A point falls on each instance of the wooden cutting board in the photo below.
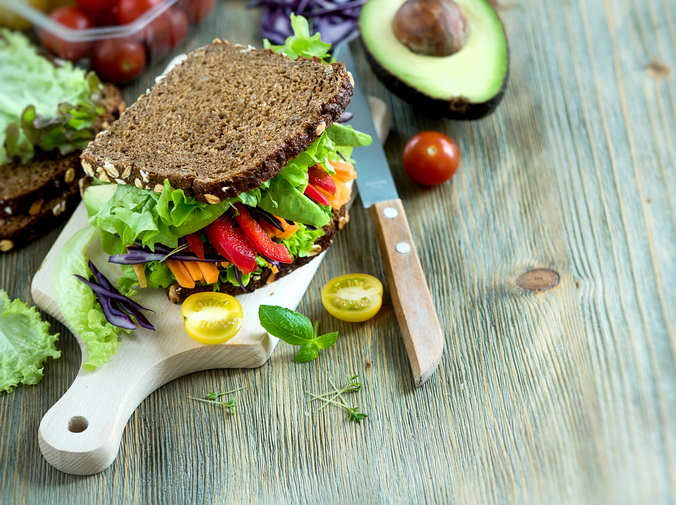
(81, 433)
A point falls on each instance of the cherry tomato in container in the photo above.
(109, 17)
(96, 5)
(130, 10)
(119, 60)
(166, 31)
(197, 10)
(71, 17)
(431, 158)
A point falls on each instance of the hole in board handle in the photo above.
(77, 424)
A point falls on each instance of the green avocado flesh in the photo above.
(476, 73)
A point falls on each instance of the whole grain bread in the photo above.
(17, 231)
(177, 293)
(222, 122)
(30, 191)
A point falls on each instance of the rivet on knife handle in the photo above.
(406, 280)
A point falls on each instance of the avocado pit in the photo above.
(431, 27)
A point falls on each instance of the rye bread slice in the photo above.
(177, 293)
(24, 188)
(222, 122)
(17, 231)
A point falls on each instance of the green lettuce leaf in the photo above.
(300, 243)
(151, 217)
(78, 303)
(301, 43)
(158, 276)
(25, 343)
(42, 105)
(282, 199)
(345, 135)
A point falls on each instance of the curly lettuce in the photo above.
(301, 43)
(25, 343)
(154, 218)
(78, 303)
(41, 105)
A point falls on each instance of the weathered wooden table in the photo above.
(566, 395)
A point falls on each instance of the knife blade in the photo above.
(411, 297)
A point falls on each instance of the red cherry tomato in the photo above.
(109, 17)
(431, 158)
(166, 31)
(130, 10)
(197, 10)
(96, 5)
(71, 17)
(119, 60)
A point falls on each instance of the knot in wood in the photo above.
(539, 279)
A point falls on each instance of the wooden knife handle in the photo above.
(410, 296)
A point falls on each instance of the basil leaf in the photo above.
(307, 353)
(327, 340)
(287, 325)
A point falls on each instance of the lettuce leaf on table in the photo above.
(42, 105)
(25, 343)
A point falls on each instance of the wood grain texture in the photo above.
(410, 295)
(560, 396)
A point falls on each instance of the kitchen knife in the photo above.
(405, 277)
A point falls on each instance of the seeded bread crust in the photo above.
(177, 293)
(24, 188)
(222, 122)
(17, 231)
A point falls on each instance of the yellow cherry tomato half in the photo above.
(212, 318)
(353, 297)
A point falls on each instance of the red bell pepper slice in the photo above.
(196, 245)
(260, 240)
(322, 179)
(232, 244)
(314, 193)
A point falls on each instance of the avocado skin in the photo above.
(458, 108)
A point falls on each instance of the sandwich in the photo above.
(231, 172)
(48, 114)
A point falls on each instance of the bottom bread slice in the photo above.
(17, 231)
(178, 293)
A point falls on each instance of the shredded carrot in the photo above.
(225, 264)
(344, 171)
(181, 273)
(274, 269)
(209, 272)
(194, 270)
(141, 274)
(289, 230)
(273, 232)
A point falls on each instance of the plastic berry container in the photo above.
(115, 38)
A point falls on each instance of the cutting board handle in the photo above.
(81, 433)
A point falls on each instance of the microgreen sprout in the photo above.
(335, 397)
(213, 398)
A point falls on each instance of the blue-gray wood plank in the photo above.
(563, 396)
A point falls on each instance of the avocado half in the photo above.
(466, 85)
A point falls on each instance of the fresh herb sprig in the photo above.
(213, 399)
(329, 398)
(295, 329)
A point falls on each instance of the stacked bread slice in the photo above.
(37, 196)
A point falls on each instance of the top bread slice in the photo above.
(222, 122)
